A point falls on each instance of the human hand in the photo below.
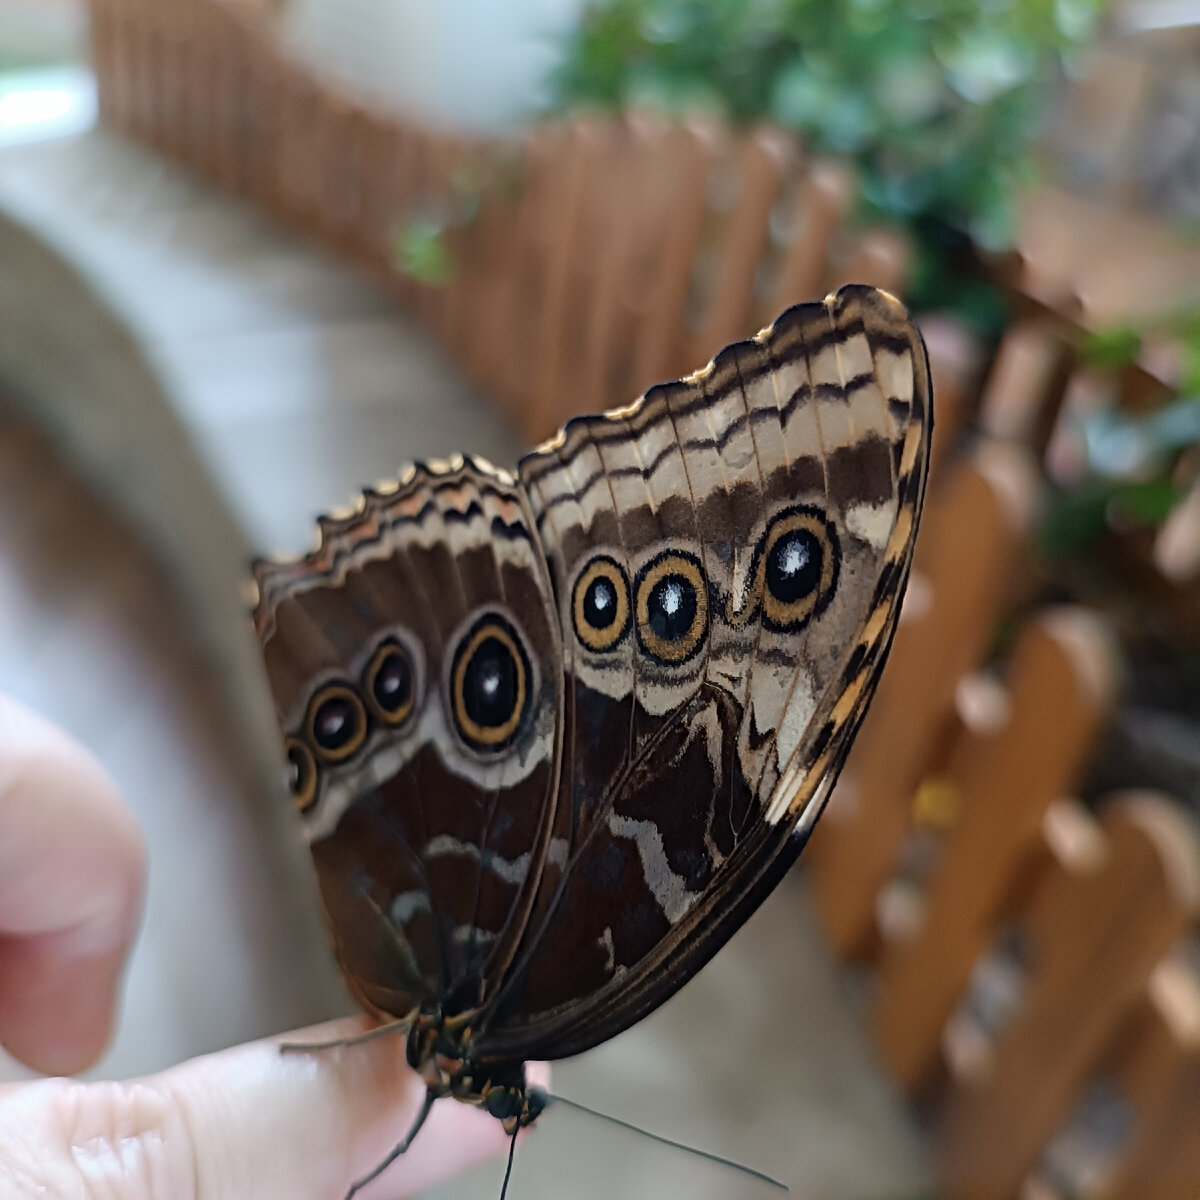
(244, 1123)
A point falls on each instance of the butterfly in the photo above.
(555, 734)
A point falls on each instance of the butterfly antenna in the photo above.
(512, 1149)
(403, 1025)
(656, 1137)
(397, 1150)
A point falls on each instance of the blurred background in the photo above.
(255, 254)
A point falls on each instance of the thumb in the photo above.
(240, 1124)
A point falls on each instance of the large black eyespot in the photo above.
(600, 604)
(798, 567)
(301, 773)
(390, 683)
(336, 723)
(489, 684)
(672, 606)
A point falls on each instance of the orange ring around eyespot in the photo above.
(354, 744)
(306, 773)
(372, 669)
(671, 562)
(792, 615)
(487, 737)
(597, 639)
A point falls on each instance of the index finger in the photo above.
(72, 870)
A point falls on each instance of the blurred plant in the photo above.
(420, 243)
(937, 101)
(420, 251)
(1138, 467)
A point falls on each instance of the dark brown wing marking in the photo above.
(429, 837)
(824, 417)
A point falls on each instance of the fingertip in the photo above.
(311, 1124)
(57, 1008)
(72, 879)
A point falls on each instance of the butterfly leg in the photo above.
(357, 1039)
(398, 1150)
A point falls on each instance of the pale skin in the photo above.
(244, 1123)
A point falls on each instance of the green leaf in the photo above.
(1111, 349)
(1148, 502)
(1074, 521)
(420, 251)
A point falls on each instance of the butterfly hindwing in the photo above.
(429, 834)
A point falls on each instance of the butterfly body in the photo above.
(555, 734)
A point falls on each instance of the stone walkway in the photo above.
(296, 381)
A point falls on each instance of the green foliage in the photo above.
(421, 251)
(1075, 520)
(1131, 458)
(935, 100)
(419, 246)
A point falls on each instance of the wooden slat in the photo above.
(260, 143)
(955, 363)
(821, 204)
(973, 530)
(880, 257)
(1025, 384)
(482, 287)
(1096, 937)
(1160, 1071)
(200, 70)
(222, 85)
(635, 216)
(660, 351)
(765, 156)
(101, 29)
(298, 177)
(340, 136)
(509, 352)
(568, 185)
(1061, 687)
(173, 49)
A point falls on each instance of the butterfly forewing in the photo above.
(782, 482)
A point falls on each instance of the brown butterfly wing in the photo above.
(728, 556)
(429, 825)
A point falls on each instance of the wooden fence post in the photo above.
(821, 203)
(881, 257)
(973, 530)
(1096, 937)
(117, 63)
(659, 348)
(766, 155)
(1026, 383)
(587, 154)
(1161, 1073)
(1061, 687)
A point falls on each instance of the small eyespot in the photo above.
(389, 683)
(600, 604)
(301, 773)
(672, 607)
(797, 567)
(489, 685)
(336, 723)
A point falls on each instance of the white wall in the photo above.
(475, 64)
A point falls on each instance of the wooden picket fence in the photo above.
(590, 259)
(1029, 955)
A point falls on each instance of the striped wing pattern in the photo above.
(708, 774)
(555, 734)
